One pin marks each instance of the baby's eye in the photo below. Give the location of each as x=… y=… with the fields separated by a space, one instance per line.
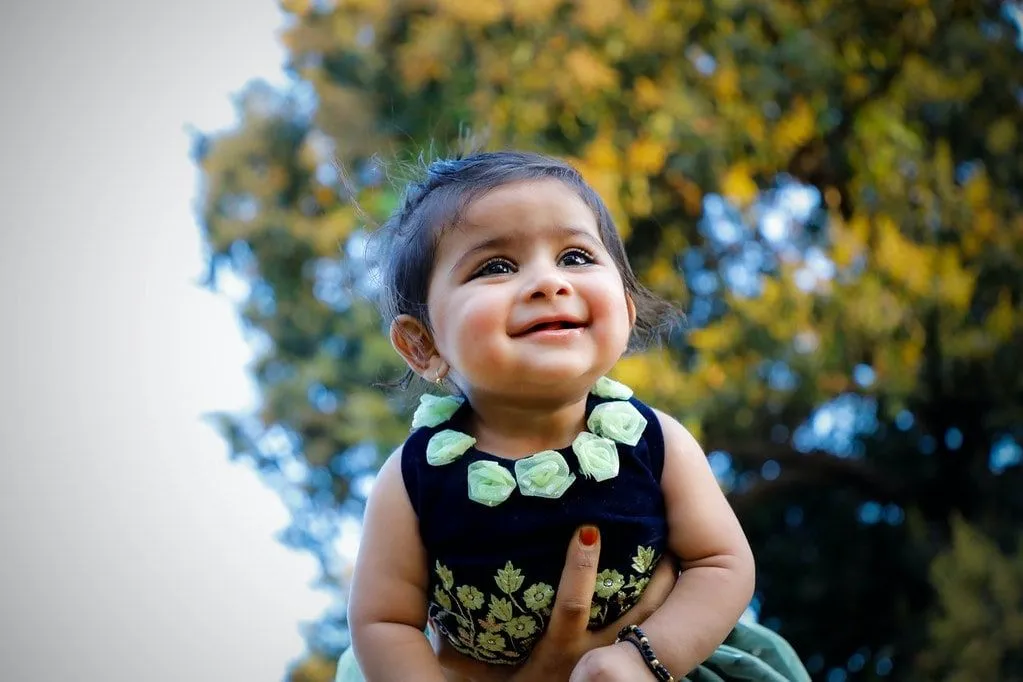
x=576 y=257
x=494 y=266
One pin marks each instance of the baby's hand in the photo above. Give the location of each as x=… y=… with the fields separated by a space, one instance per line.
x=616 y=663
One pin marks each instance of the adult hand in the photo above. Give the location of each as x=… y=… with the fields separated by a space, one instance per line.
x=566 y=639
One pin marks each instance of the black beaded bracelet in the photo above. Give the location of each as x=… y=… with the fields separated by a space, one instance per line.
x=637 y=638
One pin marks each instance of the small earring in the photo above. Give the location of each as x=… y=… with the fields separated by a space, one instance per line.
x=441 y=373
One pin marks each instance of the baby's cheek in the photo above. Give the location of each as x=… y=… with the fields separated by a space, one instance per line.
x=481 y=317
x=481 y=331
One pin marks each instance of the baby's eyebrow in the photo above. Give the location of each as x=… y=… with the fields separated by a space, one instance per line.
x=509 y=239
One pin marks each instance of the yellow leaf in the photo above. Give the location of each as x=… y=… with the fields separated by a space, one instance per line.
x=325 y=196
x=755 y=128
x=714 y=376
x=726 y=82
x=1001 y=322
x=692 y=195
x=601 y=153
x=589 y=72
x=478 y=14
x=529 y=12
x=906 y=262
x=597 y=15
x=646 y=156
x=663 y=277
x=796 y=126
x=1001 y=136
x=738 y=185
x=955 y=283
x=846 y=244
x=978 y=190
x=715 y=337
x=299 y=8
x=640 y=203
x=647 y=94
x=654 y=373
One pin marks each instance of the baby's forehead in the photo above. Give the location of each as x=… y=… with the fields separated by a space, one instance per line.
x=545 y=207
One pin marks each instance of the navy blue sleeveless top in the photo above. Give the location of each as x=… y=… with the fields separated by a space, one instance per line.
x=494 y=570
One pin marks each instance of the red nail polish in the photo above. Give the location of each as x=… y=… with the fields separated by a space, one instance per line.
x=588 y=536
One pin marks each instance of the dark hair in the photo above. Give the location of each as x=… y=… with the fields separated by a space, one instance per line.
x=408 y=240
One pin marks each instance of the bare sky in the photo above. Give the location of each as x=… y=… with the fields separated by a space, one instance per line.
x=132 y=549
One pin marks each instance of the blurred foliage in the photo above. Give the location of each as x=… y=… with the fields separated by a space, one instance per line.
x=978 y=633
x=831 y=190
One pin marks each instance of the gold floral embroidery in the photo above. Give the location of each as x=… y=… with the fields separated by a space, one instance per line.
x=501 y=626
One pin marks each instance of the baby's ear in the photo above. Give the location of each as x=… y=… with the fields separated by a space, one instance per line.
x=413 y=341
x=631 y=307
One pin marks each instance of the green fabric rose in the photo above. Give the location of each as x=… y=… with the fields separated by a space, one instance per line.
x=446 y=446
x=598 y=457
x=609 y=388
x=490 y=483
x=434 y=410
x=544 y=474
x=620 y=421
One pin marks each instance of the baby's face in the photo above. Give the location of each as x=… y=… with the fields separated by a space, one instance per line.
x=524 y=298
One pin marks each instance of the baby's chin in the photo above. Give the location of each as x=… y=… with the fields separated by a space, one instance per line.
x=545 y=381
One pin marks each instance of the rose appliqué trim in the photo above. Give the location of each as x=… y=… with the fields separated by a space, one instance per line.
x=490 y=484
x=446 y=446
x=434 y=410
x=545 y=474
x=620 y=421
x=598 y=457
x=609 y=388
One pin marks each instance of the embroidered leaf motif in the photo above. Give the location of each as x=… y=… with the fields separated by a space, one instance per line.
x=446 y=578
x=503 y=629
x=509 y=578
x=500 y=608
x=520 y=627
x=446 y=446
x=609 y=388
x=441 y=597
x=538 y=596
x=490 y=625
x=609 y=581
x=620 y=421
x=643 y=560
x=470 y=597
x=490 y=641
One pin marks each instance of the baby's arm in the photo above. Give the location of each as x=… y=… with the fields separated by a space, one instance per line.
x=718 y=571
x=717 y=578
x=387 y=608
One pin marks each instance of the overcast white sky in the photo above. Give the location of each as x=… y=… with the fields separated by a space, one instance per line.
x=131 y=548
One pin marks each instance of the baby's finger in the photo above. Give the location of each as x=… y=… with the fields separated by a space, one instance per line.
x=571 y=612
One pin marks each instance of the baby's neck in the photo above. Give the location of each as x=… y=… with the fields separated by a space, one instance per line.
x=516 y=430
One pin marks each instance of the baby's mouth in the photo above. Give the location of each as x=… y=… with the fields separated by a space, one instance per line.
x=556 y=325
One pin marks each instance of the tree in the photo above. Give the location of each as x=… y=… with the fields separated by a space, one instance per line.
x=831 y=190
x=977 y=633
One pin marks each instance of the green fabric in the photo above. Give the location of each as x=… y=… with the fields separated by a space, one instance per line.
x=751 y=653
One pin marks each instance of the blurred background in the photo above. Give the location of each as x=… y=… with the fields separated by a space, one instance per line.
x=832 y=191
